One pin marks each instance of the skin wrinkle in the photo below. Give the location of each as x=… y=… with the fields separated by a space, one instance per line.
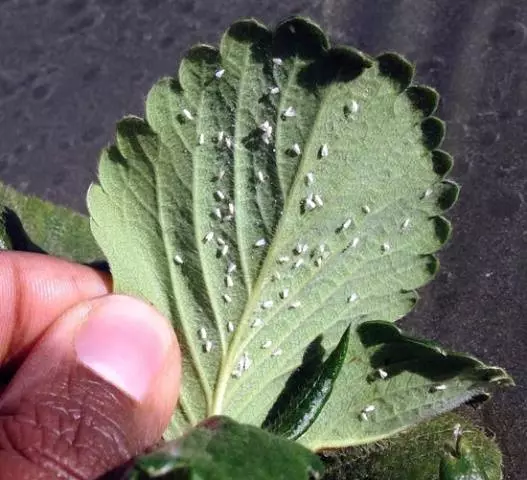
x=92 y=438
x=9 y=288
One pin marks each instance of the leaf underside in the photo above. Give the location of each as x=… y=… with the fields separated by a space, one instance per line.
x=258 y=242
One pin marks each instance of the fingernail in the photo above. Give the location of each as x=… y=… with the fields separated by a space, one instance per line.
x=125 y=342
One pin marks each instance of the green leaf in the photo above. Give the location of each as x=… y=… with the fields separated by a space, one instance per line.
x=306 y=393
x=278 y=191
x=416 y=454
x=30 y=224
x=220 y=448
x=402 y=380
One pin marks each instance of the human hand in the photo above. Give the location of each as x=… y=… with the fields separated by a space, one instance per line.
x=92 y=378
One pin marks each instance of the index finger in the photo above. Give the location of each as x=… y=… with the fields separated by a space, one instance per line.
x=34 y=290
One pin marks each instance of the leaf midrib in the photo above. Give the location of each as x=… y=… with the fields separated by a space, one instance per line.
x=242 y=251
x=238 y=342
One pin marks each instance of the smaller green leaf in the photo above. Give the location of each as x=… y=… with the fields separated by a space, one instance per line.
x=462 y=462
x=32 y=225
x=391 y=381
x=221 y=449
x=306 y=393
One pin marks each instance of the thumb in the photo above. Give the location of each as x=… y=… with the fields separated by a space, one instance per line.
x=98 y=389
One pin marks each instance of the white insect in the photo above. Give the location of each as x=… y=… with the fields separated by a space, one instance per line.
x=346 y=224
x=296 y=149
x=277 y=61
x=355 y=242
x=231 y=267
x=230 y=327
x=295 y=305
x=267 y=131
x=298 y=263
x=245 y=361
x=228 y=281
x=324 y=150
x=262 y=242
x=221 y=174
x=289 y=112
x=231 y=208
x=405 y=224
x=201 y=139
x=267 y=304
x=207 y=238
x=276 y=276
x=228 y=142
x=187 y=114
x=220 y=241
x=382 y=373
x=386 y=247
x=203 y=333
x=277 y=352
x=458 y=431
x=354 y=106
x=266 y=128
x=274 y=90
x=208 y=346
x=221 y=134
x=437 y=388
x=353 y=298
x=309 y=203
x=258 y=322
x=267 y=344
x=318 y=200
x=427 y=193
x=224 y=250
x=261 y=177
x=217 y=213
x=219 y=73
x=227 y=298
x=365 y=411
x=178 y=259
x=299 y=249
x=283 y=259
x=322 y=248
x=219 y=195
x=366 y=209
x=310 y=178
x=284 y=293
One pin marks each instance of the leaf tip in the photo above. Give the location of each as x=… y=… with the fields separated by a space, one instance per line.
x=433 y=130
x=423 y=98
x=396 y=67
x=299 y=36
x=442 y=162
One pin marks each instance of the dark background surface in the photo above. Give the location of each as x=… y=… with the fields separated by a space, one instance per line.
x=70 y=69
